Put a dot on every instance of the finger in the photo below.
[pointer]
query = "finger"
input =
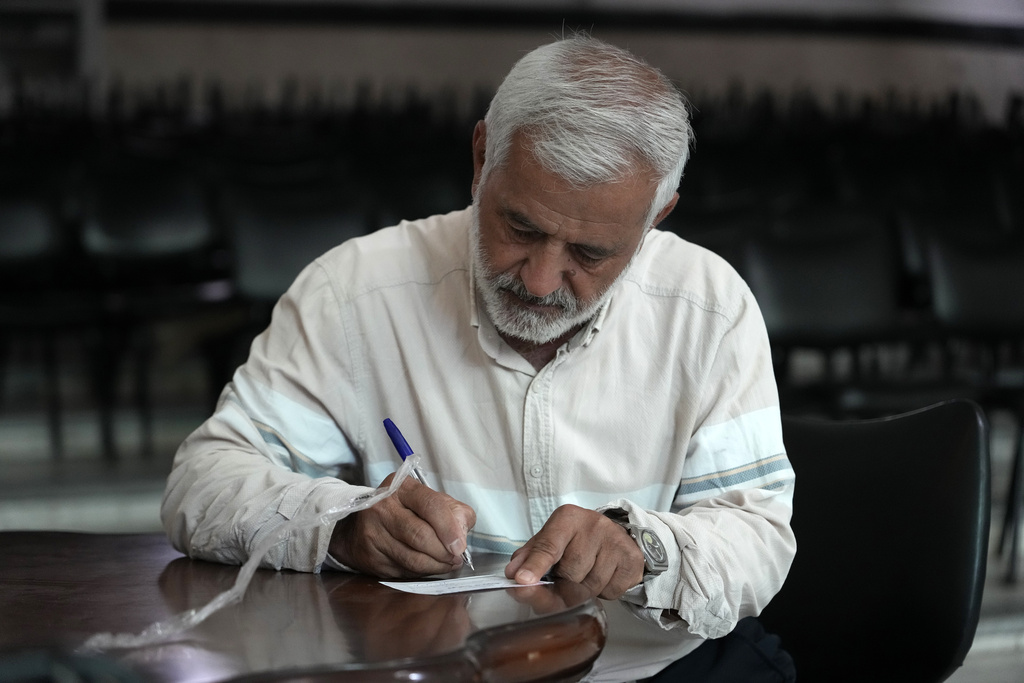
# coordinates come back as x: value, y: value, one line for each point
x: 466, y: 517
x: 384, y: 540
x: 625, y: 563
x: 447, y: 521
x: 568, y: 525
x: 592, y: 575
x: 621, y: 581
x: 391, y: 545
x: 536, y: 558
x: 579, y: 564
x: 516, y: 561
x: 410, y: 541
x: 603, y: 571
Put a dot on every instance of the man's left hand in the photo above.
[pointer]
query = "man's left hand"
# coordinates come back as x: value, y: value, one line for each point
x: 582, y: 546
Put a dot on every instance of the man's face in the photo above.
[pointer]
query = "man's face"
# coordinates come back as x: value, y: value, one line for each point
x: 547, y: 253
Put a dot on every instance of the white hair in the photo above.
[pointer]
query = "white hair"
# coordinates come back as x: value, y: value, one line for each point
x: 593, y: 113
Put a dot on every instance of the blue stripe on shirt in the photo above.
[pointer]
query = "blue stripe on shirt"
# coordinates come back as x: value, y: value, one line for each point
x: 733, y: 477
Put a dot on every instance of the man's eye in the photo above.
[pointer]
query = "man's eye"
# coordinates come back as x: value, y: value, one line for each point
x: 587, y: 256
x: 521, y: 234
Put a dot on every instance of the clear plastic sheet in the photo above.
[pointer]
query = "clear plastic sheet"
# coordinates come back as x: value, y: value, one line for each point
x: 163, y: 631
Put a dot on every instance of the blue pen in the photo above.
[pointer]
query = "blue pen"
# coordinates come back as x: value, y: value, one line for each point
x: 402, y: 446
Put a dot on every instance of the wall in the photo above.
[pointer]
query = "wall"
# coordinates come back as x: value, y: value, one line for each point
x: 705, y: 63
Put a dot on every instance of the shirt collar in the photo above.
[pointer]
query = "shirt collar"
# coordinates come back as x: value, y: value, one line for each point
x: 476, y: 304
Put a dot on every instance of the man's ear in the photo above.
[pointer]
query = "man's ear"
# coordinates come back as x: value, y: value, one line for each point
x: 479, y: 150
x: 662, y: 215
x: 666, y: 210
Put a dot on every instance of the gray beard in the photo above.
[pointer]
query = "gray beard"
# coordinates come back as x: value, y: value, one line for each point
x: 538, y: 327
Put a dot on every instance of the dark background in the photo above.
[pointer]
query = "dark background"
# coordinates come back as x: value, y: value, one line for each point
x: 167, y: 167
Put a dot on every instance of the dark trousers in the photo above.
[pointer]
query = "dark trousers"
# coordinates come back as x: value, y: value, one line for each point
x: 747, y: 655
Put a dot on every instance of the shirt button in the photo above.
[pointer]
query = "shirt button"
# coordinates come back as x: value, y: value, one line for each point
x: 536, y: 470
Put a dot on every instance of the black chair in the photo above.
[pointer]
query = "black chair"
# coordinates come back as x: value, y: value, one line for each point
x: 891, y: 519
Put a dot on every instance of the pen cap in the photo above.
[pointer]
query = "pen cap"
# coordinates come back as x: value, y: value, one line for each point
x: 401, y: 445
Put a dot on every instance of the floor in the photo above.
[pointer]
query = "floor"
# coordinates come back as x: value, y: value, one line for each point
x: 85, y: 493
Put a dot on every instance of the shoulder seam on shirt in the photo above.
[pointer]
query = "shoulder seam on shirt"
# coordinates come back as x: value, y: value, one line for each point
x: 424, y: 283
x: 353, y: 295
x: 691, y: 297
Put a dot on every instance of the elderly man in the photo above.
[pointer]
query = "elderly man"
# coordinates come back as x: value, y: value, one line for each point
x: 568, y: 373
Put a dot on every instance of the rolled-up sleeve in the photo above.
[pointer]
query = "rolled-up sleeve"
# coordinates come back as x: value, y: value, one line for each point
x: 271, y: 452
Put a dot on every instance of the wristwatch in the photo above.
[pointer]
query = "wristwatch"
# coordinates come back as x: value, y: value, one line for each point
x: 655, y: 556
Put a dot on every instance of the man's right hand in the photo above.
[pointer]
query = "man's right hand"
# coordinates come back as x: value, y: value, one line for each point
x: 414, y: 532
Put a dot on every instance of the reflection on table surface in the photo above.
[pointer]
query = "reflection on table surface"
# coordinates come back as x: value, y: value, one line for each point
x: 61, y: 588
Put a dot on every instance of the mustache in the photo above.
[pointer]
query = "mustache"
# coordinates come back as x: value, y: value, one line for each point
x: 559, y: 298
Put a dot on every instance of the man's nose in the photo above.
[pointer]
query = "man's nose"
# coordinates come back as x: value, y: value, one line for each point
x: 544, y: 270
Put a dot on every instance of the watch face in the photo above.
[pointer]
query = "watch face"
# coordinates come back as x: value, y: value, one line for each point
x: 653, y: 545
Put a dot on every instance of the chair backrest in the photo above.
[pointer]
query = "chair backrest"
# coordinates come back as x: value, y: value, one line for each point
x: 826, y: 285
x: 27, y: 230
x: 978, y: 288
x: 891, y: 519
x: 146, y: 209
x: 277, y: 232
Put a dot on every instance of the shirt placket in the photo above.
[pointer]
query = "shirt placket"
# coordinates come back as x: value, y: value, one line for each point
x: 539, y: 467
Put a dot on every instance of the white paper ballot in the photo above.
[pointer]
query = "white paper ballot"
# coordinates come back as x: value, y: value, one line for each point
x: 461, y: 585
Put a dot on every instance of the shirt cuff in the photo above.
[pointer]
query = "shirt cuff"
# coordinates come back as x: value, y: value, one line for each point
x: 331, y: 563
x: 652, y: 599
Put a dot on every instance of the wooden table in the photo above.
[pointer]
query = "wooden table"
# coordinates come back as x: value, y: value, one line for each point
x: 58, y: 588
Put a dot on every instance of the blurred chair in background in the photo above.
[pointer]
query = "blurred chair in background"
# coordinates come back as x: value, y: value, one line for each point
x: 274, y: 234
x: 827, y: 280
x: 723, y: 231
x: 418, y: 159
x: 148, y: 231
x: 978, y: 300
x: 968, y: 270
x: 732, y: 183
x: 892, y: 517
x: 287, y: 193
x: 42, y: 298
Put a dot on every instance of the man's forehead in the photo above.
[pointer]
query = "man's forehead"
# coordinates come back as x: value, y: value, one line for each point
x: 527, y: 191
